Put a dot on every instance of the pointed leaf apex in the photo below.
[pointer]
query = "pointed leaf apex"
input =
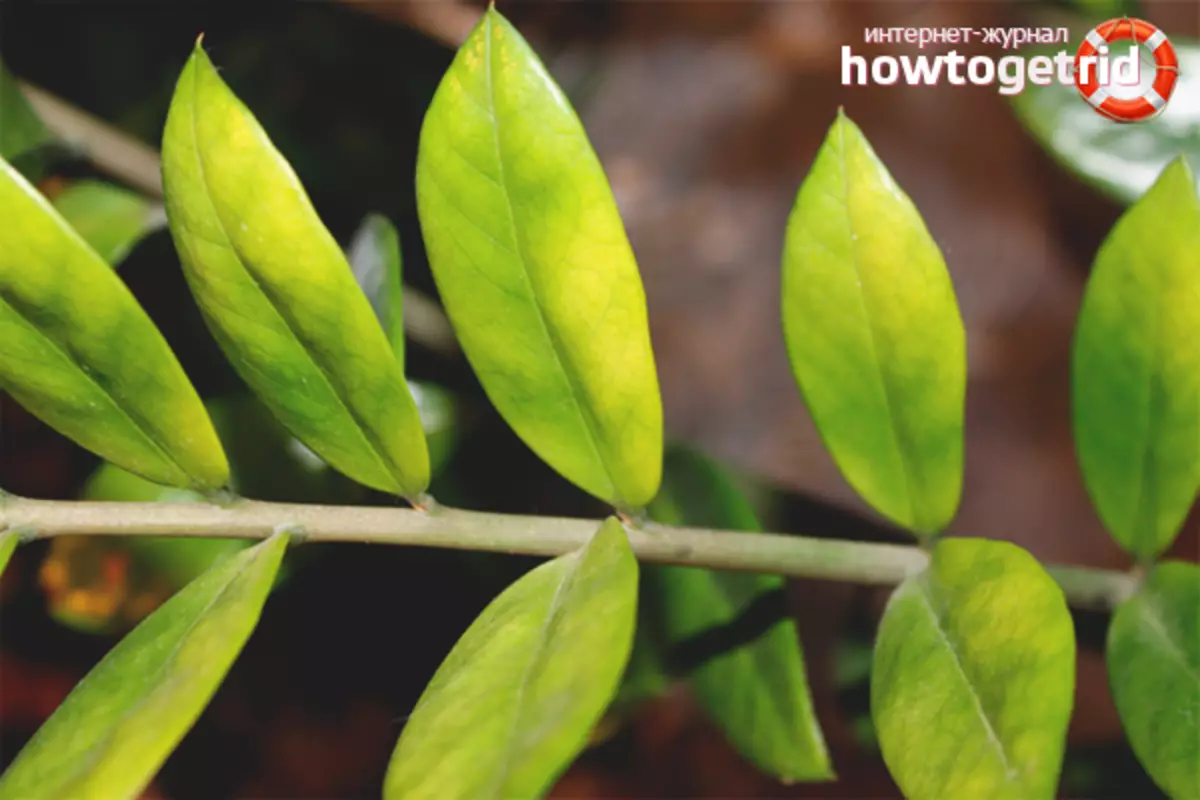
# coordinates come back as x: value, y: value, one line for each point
x: 199, y: 42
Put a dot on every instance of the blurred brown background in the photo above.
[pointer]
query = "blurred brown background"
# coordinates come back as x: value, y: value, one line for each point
x: 707, y: 116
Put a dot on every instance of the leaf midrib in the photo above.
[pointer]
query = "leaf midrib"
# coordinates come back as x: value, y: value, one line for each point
x: 1144, y: 518
x: 881, y: 373
x: 553, y: 611
x: 927, y: 601
x: 97, y: 750
x: 149, y: 436
x: 589, y: 423
x: 374, y: 446
x: 1158, y: 626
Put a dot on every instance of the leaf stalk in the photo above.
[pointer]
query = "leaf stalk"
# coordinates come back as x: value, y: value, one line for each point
x: 791, y: 556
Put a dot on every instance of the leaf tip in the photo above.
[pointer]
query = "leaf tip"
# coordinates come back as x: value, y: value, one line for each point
x: 1180, y: 166
x: 199, y: 45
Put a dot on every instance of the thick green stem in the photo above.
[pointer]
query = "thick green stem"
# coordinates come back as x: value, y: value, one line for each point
x: 780, y: 554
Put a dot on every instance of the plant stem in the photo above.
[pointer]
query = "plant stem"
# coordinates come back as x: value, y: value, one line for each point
x: 771, y: 553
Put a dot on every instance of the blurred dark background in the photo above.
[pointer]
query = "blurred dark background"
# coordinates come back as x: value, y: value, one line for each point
x: 707, y: 116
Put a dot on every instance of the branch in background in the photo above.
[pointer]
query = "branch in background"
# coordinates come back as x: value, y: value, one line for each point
x: 135, y: 163
x: 111, y: 150
x: 767, y: 553
x: 445, y: 21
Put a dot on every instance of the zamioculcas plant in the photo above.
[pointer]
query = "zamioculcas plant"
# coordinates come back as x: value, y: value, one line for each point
x: 974, y: 659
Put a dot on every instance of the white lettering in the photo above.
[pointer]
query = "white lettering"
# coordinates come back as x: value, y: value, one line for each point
x: 1012, y: 75
x: 1040, y: 70
x: 978, y: 65
x: 1126, y: 70
x: 877, y: 67
x: 858, y: 63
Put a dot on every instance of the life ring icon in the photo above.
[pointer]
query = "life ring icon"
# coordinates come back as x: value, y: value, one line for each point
x: 1166, y: 65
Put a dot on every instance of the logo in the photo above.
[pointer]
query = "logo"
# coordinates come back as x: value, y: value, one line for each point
x: 1098, y: 84
x: 1114, y: 84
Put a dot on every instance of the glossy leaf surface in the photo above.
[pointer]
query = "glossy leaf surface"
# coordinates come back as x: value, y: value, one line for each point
x: 375, y: 258
x: 757, y: 692
x: 277, y: 292
x: 535, y: 270
x: 109, y: 218
x: 515, y: 700
x: 874, y: 334
x: 1154, y: 669
x: 68, y: 331
x: 1136, y: 368
x: 112, y: 733
x: 974, y: 674
x: 20, y: 128
x: 1123, y: 161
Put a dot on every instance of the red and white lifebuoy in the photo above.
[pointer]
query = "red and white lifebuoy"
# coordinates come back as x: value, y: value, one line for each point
x: 1166, y: 70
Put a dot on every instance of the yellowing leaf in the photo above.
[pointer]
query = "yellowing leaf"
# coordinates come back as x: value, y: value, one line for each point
x: 78, y: 351
x: 113, y: 732
x: 278, y: 294
x: 535, y: 270
x: 1153, y: 659
x: 974, y: 676
x: 515, y: 700
x: 1136, y: 368
x: 874, y: 334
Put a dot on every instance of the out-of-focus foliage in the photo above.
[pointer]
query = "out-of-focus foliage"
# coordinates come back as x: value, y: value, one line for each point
x: 1121, y: 160
x: 1136, y: 368
x: 20, y: 129
x: 109, y: 218
x: 754, y: 684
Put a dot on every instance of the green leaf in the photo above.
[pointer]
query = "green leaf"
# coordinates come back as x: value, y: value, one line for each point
x: 277, y: 292
x: 874, y: 334
x: 78, y: 351
x: 515, y: 700
x: 535, y: 270
x: 8, y: 543
x: 758, y: 692
x: 374, y: 256
x: 1136, y: 368
x: 974, y: 676
x: 1123, y: 161
x: 115, y: 729
x: 110, y: 219
x: 1154, y: 670
x: 20, y: 128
